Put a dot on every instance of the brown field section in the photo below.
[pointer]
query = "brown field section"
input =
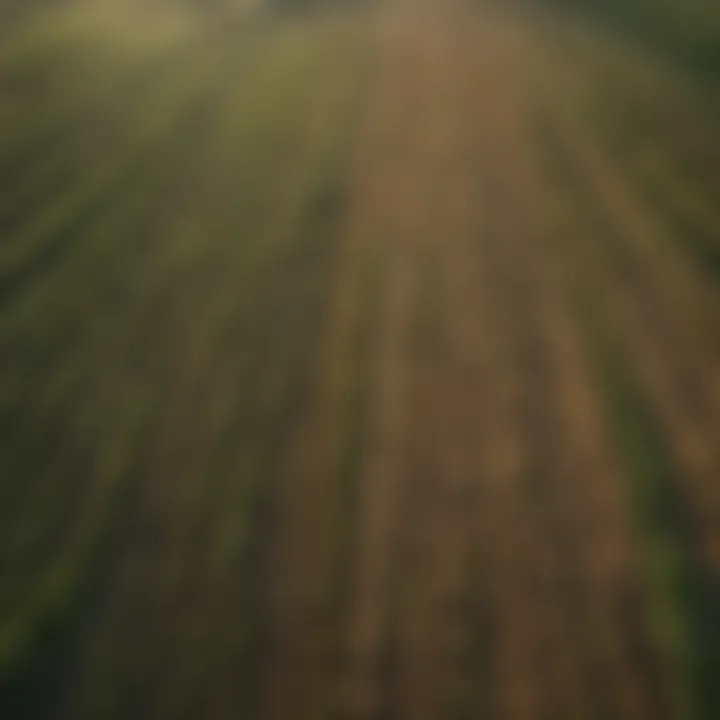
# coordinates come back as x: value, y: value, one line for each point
x: 500, y: 564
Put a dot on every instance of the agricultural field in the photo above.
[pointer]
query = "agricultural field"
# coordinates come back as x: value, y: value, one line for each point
x: 358, y: 362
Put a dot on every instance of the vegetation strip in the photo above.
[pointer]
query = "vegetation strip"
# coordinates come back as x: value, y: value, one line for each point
x: 681, y: 593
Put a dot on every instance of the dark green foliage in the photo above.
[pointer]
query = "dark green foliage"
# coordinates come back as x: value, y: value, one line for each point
x: 686, y: 29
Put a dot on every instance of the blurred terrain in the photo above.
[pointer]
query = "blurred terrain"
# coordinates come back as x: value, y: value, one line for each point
x: 360, y: 360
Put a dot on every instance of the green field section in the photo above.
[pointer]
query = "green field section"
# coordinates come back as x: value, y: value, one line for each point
x: 168, y: 202
x: 688, y: 30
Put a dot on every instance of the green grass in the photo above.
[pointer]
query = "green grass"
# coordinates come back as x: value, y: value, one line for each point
x: 168, y: 232
x: 681, y: 592
x: 681, y: 596
x: 686, y: 30
x: 664, y: 137
x: 658, y: 121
